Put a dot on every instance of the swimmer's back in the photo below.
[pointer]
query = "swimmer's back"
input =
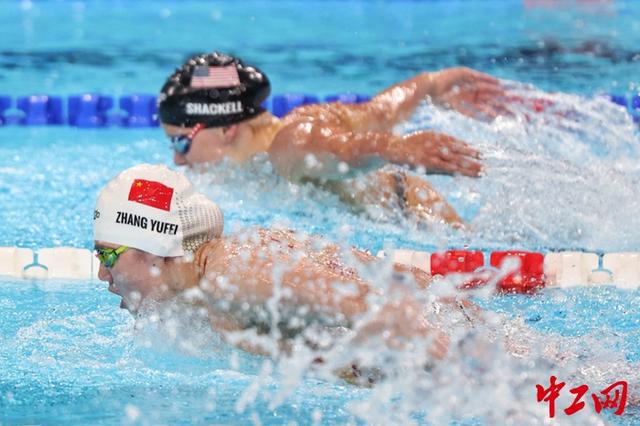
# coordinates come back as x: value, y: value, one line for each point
x: 243, y: 267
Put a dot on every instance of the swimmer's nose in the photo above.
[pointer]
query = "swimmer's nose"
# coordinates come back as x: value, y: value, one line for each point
x: 104, y: 274
x: 179, y: 159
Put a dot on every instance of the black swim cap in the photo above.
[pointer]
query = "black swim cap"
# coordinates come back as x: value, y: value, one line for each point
x: 214, y: 89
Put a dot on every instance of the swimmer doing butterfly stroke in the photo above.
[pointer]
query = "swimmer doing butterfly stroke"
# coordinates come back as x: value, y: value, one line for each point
x: 158, y: 239
x: 211, y: 108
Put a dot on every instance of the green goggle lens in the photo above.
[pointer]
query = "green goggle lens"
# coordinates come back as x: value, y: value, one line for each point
x: 109, y: 256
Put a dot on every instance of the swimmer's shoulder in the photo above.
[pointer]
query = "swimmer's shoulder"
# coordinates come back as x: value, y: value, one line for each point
x: 215, y: 255
x: 331, y: 113
x: 248, y: 239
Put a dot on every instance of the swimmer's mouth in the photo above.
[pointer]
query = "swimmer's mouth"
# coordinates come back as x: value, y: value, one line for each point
x: 124, y: 305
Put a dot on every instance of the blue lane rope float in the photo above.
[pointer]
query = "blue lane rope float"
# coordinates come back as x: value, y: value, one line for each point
x: 89, y: 110
x: 282, y: 104
x: 94, y: 110
x: 40, y: 110
x: 5, y: 104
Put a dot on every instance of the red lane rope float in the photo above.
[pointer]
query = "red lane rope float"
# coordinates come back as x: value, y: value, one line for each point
x: 530, y: 271
x: 527, y: 276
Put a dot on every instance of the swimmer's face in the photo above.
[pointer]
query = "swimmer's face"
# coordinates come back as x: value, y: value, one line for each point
x: 135, y: 276
x: 208, y: 146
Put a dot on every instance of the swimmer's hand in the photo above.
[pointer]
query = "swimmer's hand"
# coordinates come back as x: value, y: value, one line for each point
x: 469, y: 92
x: 435, y: 152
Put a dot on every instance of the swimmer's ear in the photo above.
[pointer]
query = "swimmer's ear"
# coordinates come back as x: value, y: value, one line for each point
x: 230, y: 133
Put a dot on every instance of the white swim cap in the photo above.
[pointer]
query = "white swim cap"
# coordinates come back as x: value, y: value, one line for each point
x: 155, y: 209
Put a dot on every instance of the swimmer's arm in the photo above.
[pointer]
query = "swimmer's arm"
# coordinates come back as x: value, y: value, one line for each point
x: 468, y: 91
x: 309, y: 149
x: 232, y: 332
x: 398, y: 102
x: 400, y: 321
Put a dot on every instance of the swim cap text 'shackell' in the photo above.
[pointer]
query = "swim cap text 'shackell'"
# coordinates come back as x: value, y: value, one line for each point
x: 226, y: 108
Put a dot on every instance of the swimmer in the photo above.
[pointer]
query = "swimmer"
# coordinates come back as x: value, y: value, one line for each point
x: 157, y: 238
x: 211, y: 108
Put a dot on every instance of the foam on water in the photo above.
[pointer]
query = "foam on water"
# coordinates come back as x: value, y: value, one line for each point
x: 488, y: 376
x: 560, y: 178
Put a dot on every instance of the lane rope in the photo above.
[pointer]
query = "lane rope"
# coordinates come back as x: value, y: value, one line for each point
x: 515, y: 270
x: 94, y: 110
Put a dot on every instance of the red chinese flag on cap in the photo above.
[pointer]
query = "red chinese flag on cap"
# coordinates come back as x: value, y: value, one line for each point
x: 151, y: 193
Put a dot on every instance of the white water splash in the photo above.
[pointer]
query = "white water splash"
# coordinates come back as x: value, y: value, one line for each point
x: 560, y: 178
x: 564, y: 177
x: 489, y: 374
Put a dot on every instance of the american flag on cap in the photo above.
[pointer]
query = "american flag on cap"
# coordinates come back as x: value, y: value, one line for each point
x: 205, y: 76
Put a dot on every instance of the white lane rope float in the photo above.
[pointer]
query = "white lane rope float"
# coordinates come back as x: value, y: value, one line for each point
x: 526, y: 272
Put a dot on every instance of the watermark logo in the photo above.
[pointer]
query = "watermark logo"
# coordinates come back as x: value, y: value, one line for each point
x: 611, y: 397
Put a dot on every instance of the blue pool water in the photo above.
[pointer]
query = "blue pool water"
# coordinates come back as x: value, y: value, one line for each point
x: 118, y: 47
x: 68, y: 355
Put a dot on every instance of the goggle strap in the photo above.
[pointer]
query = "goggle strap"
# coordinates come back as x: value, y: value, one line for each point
x: 195, y: 130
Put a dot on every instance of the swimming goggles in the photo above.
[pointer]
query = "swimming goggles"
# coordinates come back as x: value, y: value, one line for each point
x: 182, y: 143
x: 109, y: 256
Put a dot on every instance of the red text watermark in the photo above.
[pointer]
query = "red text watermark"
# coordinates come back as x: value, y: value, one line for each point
x: 611, y: 397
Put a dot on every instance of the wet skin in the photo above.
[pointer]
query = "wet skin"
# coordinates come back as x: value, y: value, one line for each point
x: 358, y: 138
x: 240, y: 271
